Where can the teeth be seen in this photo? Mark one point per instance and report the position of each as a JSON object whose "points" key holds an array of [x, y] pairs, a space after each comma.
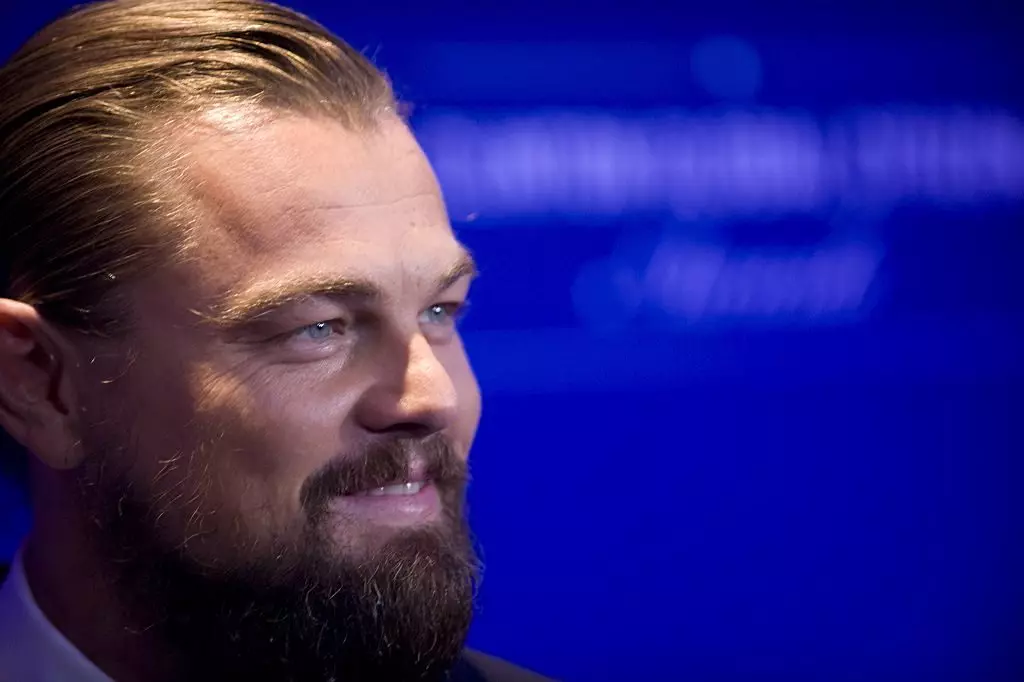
{"points": [[409, 488]]}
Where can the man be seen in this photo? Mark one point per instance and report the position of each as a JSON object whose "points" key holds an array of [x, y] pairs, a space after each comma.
{"points": [[228, 342]]}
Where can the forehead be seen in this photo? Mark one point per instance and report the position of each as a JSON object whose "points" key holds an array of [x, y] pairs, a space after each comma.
{"points": [[298, 196]]}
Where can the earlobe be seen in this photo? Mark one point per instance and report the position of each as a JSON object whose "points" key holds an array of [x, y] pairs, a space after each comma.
{"points": [[36, 397], [56, 446]]}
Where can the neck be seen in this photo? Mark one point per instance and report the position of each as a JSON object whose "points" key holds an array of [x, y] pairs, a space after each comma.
{"points": [[72, 585]]}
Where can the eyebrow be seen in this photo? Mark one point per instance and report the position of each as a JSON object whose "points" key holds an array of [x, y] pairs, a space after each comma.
{"points": [[247, 306]]}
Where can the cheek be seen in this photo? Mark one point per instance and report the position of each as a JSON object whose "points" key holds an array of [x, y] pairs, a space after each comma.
{"points": [[139, 422], [275, 430], [144, 434], [468, 390], [231, 450]]}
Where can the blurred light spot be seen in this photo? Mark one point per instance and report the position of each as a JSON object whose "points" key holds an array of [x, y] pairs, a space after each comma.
{"points": [[739, 162], [684, 282], [727, 67]]}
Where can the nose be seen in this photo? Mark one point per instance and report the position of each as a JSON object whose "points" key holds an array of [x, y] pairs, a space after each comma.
{"points": [[413, 395]]}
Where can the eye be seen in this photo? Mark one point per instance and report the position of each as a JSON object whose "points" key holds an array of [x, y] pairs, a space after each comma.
{"points": [[320, 331], [444, 315], [315, 341]]}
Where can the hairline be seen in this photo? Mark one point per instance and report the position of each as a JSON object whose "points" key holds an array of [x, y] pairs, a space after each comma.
{"points": [[162, 150], [130, 138]]}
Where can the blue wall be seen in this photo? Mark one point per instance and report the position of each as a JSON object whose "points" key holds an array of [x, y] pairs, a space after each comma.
{"points": [[748, 329]]}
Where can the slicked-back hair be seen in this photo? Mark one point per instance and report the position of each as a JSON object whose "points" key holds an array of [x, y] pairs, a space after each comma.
{"points": [[87, 191]]}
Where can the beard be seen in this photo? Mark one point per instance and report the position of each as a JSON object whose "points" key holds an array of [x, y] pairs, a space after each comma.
{"points": [[302, 609]]}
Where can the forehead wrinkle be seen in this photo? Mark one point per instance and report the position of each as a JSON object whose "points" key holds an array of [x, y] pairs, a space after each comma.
{"points": [[349, 207], [229, 220], [258, 229], [255, 185]]}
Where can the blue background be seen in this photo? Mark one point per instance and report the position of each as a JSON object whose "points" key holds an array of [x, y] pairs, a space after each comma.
{"points": [[748, 327]]}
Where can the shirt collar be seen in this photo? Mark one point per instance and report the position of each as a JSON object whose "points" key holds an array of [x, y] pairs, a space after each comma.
{"points": [[31, 648]]}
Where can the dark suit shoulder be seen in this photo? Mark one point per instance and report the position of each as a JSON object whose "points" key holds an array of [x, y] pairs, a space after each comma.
{"points": [[484, 668]]}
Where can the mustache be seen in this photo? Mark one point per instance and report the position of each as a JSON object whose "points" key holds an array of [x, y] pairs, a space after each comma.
{"points": [[382, 463]]}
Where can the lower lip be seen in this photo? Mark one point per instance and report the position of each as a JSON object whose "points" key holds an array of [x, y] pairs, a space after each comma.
{"points": [[421, 507]]}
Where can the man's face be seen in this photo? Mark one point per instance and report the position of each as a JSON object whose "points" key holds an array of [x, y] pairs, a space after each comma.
{"points": [[294, 402]]}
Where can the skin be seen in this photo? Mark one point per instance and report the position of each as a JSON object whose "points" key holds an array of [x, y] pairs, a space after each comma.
{"points": [[281, 200]]}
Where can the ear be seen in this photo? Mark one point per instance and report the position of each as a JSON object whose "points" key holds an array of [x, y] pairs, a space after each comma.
{"points": [[36, 388]]}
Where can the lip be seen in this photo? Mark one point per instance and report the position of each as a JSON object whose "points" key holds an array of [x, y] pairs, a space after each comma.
{"points": [[393, 510]]}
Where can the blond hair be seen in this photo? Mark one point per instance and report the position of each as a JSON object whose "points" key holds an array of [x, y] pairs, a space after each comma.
{"points": [[81, 210]]}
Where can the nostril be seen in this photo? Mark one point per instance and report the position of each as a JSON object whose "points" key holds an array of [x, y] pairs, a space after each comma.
{"points": [[408, 429]]}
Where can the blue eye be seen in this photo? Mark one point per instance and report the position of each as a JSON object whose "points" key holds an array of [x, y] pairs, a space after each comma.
{"points": [[318, 331], [444, 314]]}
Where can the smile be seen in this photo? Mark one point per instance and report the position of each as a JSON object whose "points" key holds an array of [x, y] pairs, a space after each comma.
{"points": [[397, 504], [407, 488]]}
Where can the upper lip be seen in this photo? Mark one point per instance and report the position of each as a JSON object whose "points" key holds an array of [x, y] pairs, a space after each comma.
{"points": [[417, 472]]}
